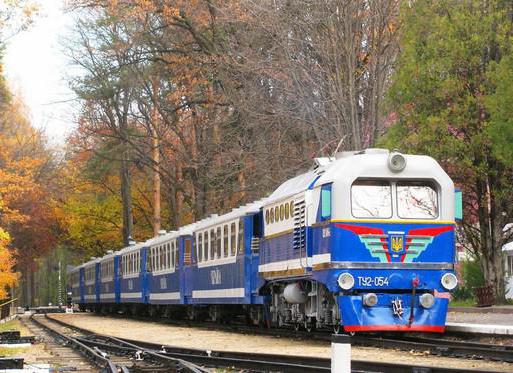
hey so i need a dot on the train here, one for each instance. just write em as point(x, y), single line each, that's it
point(362, 242)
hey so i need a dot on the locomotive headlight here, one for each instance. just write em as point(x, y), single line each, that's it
point(396, 162)
point(449, 281)
point(370, 299)
point(427, 300)
point(346, 281)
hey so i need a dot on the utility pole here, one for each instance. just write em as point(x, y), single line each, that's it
point(59, 286)
point(156, 161)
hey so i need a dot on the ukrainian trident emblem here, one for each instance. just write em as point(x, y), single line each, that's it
point(396, 243)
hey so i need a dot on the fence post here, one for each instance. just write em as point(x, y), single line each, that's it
point(340, 353)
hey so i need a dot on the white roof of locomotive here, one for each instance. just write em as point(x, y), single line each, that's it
point(370, 163)
point(293, 186)
point(375, 165)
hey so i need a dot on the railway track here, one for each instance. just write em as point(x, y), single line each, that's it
point(247, 361)
point(434, 346)
point(113, 357)
point(63, 356)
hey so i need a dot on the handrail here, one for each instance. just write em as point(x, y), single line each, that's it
point(8, 302)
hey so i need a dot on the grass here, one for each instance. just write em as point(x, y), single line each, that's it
point(463, 303)
point(11, 325)
point(7, 351)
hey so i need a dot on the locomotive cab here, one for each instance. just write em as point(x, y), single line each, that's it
point(385, 241)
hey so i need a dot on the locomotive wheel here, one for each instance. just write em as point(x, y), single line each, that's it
point(192, 314)
point(154, 311)
point(297, 327)
point(337, 329)
point(310, 324)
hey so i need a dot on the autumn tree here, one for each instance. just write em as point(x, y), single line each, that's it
point(232, 97)
point(449, 92)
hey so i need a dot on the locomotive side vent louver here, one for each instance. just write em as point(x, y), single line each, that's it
point(299, 237)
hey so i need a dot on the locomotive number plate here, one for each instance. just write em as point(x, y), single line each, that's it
point(369, 281)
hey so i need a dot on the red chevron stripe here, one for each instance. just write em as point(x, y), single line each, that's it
point(430, 231)
point(357, 229)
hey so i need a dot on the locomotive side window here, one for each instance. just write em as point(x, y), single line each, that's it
point(326, 202)
point(417, 200)
point(371, 199)
point(286, 211)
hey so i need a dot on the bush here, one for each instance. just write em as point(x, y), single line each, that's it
point(472, 277)
point(472, 274)
point(462, 292)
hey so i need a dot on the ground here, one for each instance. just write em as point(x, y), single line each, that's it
point(190, 337)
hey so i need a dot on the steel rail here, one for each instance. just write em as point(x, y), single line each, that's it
point(124, 347)
point(274, 362)
point(94, 356)
point(435, 346)
point(239, 360)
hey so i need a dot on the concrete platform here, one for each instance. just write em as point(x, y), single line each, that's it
point(479, 328)
point(493, 309)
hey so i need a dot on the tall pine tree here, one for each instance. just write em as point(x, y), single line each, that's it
point(449, 92)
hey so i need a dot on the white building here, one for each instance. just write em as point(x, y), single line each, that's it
point(508, 263)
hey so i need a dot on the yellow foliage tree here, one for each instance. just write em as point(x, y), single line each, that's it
point(7, 275)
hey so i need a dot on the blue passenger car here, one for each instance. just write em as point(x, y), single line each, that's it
point(134, 275)
point(109, 279)
point(164, 270)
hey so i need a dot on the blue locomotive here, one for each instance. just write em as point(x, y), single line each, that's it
point(364, 241)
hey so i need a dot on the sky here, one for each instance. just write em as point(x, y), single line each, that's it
point(36, 68)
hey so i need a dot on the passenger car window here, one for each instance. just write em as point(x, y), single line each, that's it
point(417, 200)
point(218, 243)
point(371, 199)
point(233, 240)
point(200, 247)
point(225, 240)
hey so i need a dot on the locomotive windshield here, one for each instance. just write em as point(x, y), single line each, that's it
point(413, 199)
point(371, 199)
point(416, 200)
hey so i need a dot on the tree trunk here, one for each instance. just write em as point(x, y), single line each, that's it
point(27, 299)
point(126, 190)
point(156, 161)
